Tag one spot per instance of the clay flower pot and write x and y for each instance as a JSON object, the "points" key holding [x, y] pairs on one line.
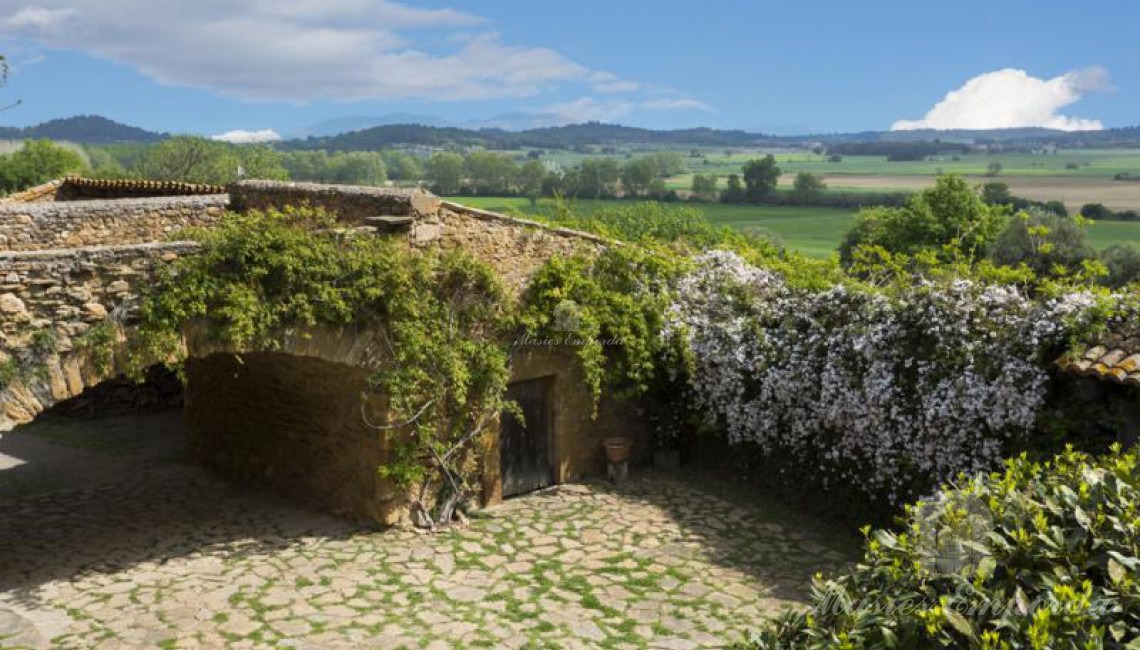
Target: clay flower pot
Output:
{"points": [[617, 449]]}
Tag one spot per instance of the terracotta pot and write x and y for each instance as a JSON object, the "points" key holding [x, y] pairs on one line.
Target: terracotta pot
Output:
{"points": [[617, 449]]}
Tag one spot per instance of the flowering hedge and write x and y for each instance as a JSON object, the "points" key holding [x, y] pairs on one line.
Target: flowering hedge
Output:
{"points": [[886, 391]]}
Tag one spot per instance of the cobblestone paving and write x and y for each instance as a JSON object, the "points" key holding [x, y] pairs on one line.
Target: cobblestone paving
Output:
{"points": [[174, 558]]}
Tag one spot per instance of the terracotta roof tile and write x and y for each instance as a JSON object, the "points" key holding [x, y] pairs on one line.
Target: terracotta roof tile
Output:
{"points": [[1119, 362]]}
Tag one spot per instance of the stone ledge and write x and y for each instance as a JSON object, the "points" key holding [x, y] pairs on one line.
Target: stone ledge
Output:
{"points": [[177, 247], [486, 215], [352, 203], [96, 206]]}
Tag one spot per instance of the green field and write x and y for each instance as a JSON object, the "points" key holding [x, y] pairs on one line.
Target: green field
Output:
{"points": [[812, 231]]}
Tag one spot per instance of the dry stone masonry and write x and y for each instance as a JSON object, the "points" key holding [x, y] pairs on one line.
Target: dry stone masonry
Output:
{"points": [[76, 255], [51, 225]]}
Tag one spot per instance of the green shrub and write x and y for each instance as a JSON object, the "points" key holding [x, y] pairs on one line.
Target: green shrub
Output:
{"points": [[1040, 556]]}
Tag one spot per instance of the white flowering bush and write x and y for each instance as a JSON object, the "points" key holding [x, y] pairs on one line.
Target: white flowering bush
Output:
{"points": [[889, 392]]}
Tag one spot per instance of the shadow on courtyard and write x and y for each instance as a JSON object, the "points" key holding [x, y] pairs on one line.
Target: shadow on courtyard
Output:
{"points": [[86, 497]]}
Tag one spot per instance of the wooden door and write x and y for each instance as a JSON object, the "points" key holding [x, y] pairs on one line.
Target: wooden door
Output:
{"points": [[525, 446]]}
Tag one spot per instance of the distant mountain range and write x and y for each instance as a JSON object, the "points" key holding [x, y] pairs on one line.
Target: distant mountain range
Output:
{"points": [[363, 133], [84, 129]]}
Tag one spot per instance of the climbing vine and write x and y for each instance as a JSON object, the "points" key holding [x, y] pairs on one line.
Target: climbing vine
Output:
{"points": [[442, 365]]}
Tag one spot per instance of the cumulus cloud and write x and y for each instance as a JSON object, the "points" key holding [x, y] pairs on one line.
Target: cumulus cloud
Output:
{"points": [[297, 50], [1012, 98], [247, 137]]}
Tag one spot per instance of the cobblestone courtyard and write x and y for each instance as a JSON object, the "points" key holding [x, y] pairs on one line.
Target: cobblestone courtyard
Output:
{"points": [[171, 557]]}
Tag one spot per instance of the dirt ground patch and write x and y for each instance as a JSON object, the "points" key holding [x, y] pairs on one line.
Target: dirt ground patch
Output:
{"points": [[1073, 191]]}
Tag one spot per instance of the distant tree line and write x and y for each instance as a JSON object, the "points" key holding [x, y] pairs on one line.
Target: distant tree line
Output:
{"points": [[899, 151], [1098, 212]]}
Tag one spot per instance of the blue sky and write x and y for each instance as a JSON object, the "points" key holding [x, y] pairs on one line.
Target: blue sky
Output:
{"points": [[214, 66]]}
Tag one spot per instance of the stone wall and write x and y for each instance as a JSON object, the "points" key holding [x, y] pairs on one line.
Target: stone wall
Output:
{"points": [[576, 430], [35, 226], [290, 418], [351, 204], [53, 298], [293, 424], [516, 248]]}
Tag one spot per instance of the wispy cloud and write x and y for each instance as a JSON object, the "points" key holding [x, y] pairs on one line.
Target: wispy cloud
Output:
{"points": [[590, 109], [1012, 98], [296, 50], [247, 137], [609, 83]]}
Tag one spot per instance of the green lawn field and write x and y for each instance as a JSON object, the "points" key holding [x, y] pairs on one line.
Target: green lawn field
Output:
{"points": [[812, 231]]}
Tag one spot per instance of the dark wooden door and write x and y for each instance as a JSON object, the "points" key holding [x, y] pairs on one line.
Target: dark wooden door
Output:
{"points": [[525, 446]]}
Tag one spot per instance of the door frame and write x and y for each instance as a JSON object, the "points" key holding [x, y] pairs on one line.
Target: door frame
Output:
{"points": [[549, 384]]}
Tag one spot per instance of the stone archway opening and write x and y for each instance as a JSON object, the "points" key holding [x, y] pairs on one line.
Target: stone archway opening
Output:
{"points": [[115, 428]]}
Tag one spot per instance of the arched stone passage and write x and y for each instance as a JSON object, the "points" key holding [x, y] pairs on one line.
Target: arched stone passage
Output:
{"points": [[55, 379], [294, 424]]}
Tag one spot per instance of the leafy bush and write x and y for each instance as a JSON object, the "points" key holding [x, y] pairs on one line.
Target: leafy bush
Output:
{"points": [[1123, 264], [1038, 556], [1046, 243], [950, 215], [38, 161]]}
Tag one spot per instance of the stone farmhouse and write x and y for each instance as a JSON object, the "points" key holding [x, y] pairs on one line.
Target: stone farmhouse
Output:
{"points": [[78, 253]]}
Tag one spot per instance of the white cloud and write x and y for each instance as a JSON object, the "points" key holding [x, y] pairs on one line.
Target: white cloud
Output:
{"points": [[677, 104], [608, 83], [589, 109], [38, 19], [1012, 98], [296, 50], [247, 137]]}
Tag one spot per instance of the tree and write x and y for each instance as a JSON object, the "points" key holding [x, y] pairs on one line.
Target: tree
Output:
{"points": [[1123, 264], [704, 187], [1044, 242], [531, 177], [445, 171], [993, 169], [596, 177], [734, 192], [637, 175], [948, 218], [4, 79], [1097, 212], [38, 161], [997, 193], [402, 167], [185, 158], [760, 177], [667, 163], [489, 173], [198, 160], [808, 187]]}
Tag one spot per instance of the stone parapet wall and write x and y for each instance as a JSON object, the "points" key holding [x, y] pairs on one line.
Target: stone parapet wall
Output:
{"points": [[54, 299], [515, 248], [351, 203], [37, 226], [69, 290]]}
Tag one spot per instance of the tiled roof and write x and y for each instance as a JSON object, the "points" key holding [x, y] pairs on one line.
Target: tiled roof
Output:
{"points": [[1117, 360], [171, 187]]}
